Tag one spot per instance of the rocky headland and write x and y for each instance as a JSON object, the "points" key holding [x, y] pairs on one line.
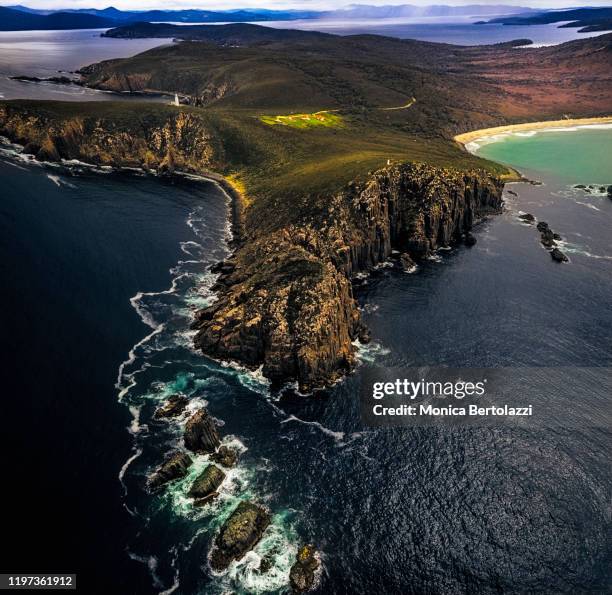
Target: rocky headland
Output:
{"points": [[285, 296], [286, 301]]}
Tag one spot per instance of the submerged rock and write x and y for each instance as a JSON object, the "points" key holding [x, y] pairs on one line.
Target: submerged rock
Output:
{"points": [[542, 226], [225, 456], [557, 236], [547, 238], [239, 534], [207, 483], [302, 573], [558, 256], [174, 467], [201, 434], [609, 191], [469, 239], [580, 186], [406, 262], [512, 192], [527, 217], [199, 502], [174, 406]]}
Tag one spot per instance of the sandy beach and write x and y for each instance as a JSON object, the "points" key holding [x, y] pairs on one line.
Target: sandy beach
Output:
{"points": [[467, 137]]}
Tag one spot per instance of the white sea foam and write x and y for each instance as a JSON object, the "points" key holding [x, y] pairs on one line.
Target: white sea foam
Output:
{"points": [[126, 466], [175, 585], [369, 352], [339, 436], [151, 563], [588, 205]]}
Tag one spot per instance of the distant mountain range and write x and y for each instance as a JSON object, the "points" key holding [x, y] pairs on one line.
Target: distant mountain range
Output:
{"points": [[588, 19], [19, 17], [17, 20]]}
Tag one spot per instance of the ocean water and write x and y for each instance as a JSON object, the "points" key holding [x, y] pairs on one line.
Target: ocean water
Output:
{"points": [[105, 272], [455, 30], [45, 54]]}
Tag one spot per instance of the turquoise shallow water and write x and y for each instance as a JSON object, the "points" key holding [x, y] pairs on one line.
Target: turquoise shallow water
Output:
{"points": [[572, 154]]}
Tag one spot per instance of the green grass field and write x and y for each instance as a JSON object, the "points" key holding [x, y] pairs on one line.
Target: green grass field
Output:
{"points": [[324, 118]]}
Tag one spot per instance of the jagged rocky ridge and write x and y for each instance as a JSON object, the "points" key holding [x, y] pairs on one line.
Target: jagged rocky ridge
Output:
{"points": [[285, 299]]}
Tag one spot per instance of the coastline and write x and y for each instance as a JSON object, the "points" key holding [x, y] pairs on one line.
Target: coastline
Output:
{"points": [[467, 137]]}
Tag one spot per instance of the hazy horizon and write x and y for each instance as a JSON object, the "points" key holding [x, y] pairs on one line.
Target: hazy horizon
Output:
{"points": [[280, 4]]}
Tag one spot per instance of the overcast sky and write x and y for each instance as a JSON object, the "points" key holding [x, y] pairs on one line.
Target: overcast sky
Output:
{"points": [[314, 4]]}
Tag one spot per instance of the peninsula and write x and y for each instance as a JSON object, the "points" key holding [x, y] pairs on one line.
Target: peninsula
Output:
{"points": [[326, 178]]}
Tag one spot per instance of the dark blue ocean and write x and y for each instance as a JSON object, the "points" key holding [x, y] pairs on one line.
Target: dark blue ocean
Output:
{"points": [[101, 276]]}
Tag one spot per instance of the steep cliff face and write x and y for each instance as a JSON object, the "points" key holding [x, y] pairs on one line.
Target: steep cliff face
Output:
{"points": [[283, 305], [286, 300], [171, 140]]}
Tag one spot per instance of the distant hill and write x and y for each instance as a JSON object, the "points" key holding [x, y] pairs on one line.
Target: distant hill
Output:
{"points": [[254, 67], [18, 20], [236, 34], [588, 19]]}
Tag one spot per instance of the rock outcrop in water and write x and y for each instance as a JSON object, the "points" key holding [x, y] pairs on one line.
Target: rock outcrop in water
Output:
{"points": [[205, 487], [287, 302], [239, 534], [201, 434], [302, 573], [173, 407], [225, 456], [558, 256], [174, 467]]}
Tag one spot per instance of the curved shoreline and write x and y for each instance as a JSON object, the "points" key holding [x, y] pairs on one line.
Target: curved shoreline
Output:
{"points": [[467, 137]]}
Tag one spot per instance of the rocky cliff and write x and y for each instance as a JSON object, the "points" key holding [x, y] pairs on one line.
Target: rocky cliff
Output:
{"points": [[286, 300], [159, 139]]}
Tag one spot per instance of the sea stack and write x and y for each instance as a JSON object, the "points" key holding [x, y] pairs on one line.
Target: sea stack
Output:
{"points": [[174, 467], [204, 488], [173, 407], [201, 434], [302, 573], [239, 534]]}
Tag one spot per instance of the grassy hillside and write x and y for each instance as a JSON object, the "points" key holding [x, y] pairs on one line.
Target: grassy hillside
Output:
{"points": [[246, 67], [299, 114], [273, 163]]}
